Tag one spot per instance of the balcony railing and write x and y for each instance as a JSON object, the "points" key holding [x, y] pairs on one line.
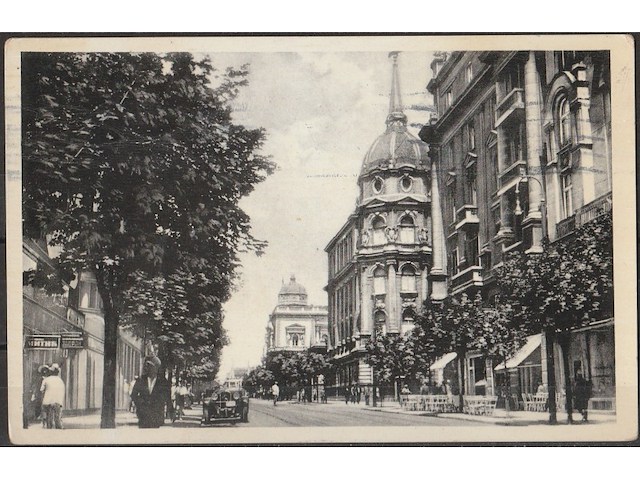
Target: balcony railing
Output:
{"points": [[584, 215], [471, 276], [513, 102], [511, 172], [467, 216]]}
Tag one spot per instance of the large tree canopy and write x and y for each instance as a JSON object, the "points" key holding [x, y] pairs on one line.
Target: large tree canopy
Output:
{"points": [[134, 166]]}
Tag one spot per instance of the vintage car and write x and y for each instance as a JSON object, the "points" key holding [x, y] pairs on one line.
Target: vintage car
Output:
{"points": [[225, 405]]}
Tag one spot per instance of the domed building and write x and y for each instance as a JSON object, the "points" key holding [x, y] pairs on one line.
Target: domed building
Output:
{"points": [[294, 325], [385, 260]]}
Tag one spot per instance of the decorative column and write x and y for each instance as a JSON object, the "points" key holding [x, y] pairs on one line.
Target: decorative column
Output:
{"points": [[367, 309], [438, 274], [392, 297], [533, 116]]}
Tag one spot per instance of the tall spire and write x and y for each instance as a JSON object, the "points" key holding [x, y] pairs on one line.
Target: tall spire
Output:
{"points": [[395, 100]]}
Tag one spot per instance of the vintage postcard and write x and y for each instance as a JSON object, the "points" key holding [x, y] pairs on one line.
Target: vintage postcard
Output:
{"points": [[321, 239]]}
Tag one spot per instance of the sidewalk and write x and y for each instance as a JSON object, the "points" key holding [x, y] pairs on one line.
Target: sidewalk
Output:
{"points": [[123, 420], [500, 416]]}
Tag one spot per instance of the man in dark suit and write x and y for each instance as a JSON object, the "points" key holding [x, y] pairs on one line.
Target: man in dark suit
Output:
{"points": [[151, 394]]}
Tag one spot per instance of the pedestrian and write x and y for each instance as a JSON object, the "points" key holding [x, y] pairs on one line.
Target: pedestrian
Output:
{"points": [[36, 395], [353, 394], [151, 394], [582, 391], [181, 395], [366, 396], [346, 395], [132, 406], [358, 394], [275, 392], [53, 398]]}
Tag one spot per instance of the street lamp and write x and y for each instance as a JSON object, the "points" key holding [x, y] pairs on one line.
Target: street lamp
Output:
{"points": [[543, 204]]}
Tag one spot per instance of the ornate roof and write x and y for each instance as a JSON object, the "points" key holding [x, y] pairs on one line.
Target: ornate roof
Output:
{"points": [[292, 293], [396, 147]]}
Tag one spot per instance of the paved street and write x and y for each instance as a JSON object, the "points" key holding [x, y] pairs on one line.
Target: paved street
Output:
{"points": [[334, 414]]}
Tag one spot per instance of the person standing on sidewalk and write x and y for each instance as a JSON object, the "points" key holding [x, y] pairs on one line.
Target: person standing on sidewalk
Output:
{"points": [[275, 393], [53, 399], [582, 391], [151, 394], [132, 406]]}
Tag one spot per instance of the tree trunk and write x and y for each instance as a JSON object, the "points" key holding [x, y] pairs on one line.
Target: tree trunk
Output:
{"points": [[461, 355], [564, 345], [111, 320], [551, 375]]}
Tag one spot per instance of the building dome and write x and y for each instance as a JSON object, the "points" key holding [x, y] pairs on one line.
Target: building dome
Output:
{"points": [[292, 293], [396, 147]]}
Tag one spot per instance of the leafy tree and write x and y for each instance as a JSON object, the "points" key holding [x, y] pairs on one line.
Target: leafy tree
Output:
{"points": [[568, 285], [132, 163]]}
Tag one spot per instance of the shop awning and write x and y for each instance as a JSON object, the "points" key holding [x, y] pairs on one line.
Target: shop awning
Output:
{"points": [[443, 361], [521, 355]]}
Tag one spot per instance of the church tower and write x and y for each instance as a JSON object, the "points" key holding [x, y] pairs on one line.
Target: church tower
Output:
{"points": [[380, 262]]}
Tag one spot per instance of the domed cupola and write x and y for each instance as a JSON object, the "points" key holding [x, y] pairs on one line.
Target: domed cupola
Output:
{"points": [[396, 147], [292, 293]]}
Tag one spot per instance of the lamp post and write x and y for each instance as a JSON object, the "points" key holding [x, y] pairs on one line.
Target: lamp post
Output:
{"points": [[543, 204], [548, 332]]}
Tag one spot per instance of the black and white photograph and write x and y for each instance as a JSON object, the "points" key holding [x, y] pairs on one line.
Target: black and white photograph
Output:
{"points": [[321, 239]]}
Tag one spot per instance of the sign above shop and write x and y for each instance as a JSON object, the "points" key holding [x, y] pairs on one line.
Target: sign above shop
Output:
{"points": [[72, 340], [42, 342]]}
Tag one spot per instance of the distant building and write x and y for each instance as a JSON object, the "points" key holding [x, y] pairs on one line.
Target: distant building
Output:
{"points": [[294, 325], [235, 377]]}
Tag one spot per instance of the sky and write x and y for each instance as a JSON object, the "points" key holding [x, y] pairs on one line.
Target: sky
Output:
{"points": [[322, 112]]}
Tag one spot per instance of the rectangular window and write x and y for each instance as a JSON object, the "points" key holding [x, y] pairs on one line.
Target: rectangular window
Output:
{"points": [[472, 250], [468, 73], [471, 132], [567, 193], [471, 184], [452, 202], [448, 98], [453, 258]]}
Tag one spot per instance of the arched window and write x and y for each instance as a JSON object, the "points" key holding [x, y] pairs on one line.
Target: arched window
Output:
{"points": [[294, 340], [407, 230], [379, 281], [564, 121], [408, 282], [378, 225], [380, 320]]}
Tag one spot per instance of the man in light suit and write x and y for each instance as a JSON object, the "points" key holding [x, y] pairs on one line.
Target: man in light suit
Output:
{"points": [[151, 393]]}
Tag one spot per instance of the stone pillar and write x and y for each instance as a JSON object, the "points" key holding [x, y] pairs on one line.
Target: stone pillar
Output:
{"points": [[438, 274], [533, 115], [367, 308], [392, 297]]}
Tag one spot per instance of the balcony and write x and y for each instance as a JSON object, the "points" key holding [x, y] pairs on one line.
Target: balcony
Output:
{"points": [[510, 175], [584, 215], [469, 277], [467, 217], [511, 104]]}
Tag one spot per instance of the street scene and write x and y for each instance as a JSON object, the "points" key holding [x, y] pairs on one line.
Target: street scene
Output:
{"points": [[229, 240]]}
